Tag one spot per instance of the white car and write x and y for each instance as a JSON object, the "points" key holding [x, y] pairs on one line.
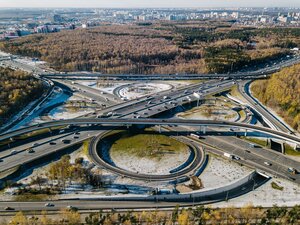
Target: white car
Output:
{"points": [[35, 144], [13, 152], [267, 163], [49, 204]]}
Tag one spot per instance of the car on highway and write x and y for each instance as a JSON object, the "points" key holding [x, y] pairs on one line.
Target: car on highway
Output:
{"points": [[30, 150], [292, 170], [52, 143], [236, 157], [35, 144], [268, 164], [13, 152], [66, 141], [8, 208], [49, 204]]}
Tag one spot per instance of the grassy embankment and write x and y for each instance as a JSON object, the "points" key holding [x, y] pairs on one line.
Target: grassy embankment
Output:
{"points": [[149, 145], [289, 150]]}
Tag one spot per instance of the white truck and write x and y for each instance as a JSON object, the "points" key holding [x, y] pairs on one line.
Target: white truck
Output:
{"points": [[228, 155], [195, 135]]}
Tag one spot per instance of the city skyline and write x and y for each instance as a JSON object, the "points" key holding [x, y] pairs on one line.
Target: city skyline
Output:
{"points": [[149, 4]]}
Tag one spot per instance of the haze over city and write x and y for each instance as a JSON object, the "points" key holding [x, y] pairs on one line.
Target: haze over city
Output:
{"points": [[149, 3]]}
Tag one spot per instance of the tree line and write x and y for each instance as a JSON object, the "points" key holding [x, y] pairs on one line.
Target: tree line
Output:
{"points": [[282, 93], [247, 215], [157, 48], [17, 89]]}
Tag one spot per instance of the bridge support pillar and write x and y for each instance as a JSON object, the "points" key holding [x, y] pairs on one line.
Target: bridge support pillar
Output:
{"points": [[246, 133], [204, 129], [159, 128], [127, 126]]}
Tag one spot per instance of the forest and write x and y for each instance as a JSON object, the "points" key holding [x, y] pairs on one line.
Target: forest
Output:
{"points": [[282, 93], [17, 89], [162, 47]]}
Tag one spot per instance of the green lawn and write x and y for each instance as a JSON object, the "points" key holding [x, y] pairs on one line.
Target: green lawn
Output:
{"points": [[256, 141], [242, 114], [153, 146], [289, 150]]}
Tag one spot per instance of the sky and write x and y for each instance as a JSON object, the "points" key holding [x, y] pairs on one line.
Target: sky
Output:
{"points": [[149, 3]]}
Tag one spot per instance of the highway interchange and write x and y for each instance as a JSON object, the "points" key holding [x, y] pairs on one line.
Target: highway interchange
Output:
{"points": [[136, 112]]}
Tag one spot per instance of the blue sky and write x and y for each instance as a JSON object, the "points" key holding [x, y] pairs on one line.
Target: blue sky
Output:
{"points": [[149, 3]]}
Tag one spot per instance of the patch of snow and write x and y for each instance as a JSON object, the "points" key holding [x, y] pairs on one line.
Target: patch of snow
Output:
{"points": [[110, 89], [220, 172], [266, 196], [150, 166], [141, 89]]}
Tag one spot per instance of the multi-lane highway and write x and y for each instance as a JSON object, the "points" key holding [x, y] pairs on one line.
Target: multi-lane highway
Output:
{"points": [[136, 112], [153, 122], [165, 122]]}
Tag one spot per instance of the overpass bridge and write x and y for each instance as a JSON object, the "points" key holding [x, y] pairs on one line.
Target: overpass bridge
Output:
{"points": [[152, 122]]}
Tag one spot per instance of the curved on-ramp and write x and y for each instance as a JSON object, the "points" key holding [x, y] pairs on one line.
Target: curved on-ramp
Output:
{"points": [[181, 174]]}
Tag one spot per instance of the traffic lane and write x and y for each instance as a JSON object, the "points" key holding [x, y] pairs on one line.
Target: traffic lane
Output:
{"points": [[191, 87], [268, 154], [259, 156], [86, 93], [34, 143], [161, 104], [92, 92], [141, 202], [124, 121], [85, 205], [262, 110], [157, 96], [44, 149]]}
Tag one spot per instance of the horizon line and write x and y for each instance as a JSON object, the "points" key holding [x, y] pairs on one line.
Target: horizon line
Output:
{"points": [[174, 7]]}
